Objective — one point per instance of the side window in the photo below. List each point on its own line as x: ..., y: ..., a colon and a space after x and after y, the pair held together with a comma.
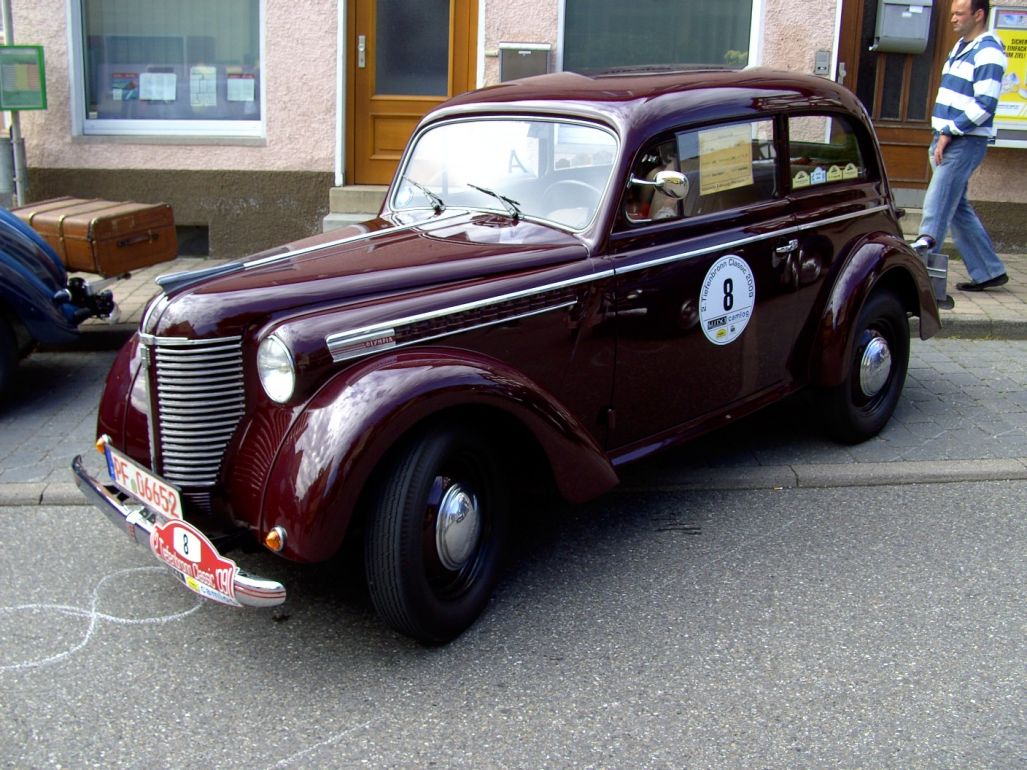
x: 645, y: 202
x: 823, y: 149
x: 724, y: 167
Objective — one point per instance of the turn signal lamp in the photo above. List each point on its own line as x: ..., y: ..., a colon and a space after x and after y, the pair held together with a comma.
x: 275, y: 539
x: 101, y: 443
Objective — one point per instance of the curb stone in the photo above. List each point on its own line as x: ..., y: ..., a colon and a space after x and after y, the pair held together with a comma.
x: 768, y: 477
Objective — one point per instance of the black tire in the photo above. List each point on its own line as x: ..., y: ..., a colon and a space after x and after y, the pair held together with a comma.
x: 431, y: 574
x: 860, y: 407
x: 8, y: 356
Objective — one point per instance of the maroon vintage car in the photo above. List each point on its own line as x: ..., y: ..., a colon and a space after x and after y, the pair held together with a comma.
x: 568, y: 273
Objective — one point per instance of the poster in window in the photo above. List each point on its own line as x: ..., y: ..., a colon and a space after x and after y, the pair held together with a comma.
x: 158, y: 86
x: 1011, y: 29
x: 203, y: 86
x: 124, y: 86
x: 241, y: 86
x: 725, y: 158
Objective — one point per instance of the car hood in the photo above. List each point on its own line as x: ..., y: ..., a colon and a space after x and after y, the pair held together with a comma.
x: 357, y: 264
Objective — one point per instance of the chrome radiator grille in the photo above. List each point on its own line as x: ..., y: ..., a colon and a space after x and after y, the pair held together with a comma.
x: 199, y: 402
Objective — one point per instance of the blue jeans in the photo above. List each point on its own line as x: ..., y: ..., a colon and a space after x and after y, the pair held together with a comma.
x: 945, y: 205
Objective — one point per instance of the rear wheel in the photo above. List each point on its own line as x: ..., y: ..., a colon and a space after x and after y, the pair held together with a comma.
x: 436, y: 535
x: 859, y: 407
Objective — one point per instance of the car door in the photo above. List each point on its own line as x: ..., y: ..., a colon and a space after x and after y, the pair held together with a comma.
x: 702, y: 307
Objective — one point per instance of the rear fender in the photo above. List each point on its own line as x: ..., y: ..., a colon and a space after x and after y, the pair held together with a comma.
x: 28, y: 301
x: 881, y: 263
x: 31, y: 282
x: 338, y: 440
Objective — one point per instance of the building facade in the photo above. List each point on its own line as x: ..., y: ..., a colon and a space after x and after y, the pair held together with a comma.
x: 254, y: 117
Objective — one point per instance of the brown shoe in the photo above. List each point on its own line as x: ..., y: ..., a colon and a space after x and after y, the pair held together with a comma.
x: 991, y: 283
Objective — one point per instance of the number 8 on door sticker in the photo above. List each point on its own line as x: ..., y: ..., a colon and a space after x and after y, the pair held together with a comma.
x: 727, y: 299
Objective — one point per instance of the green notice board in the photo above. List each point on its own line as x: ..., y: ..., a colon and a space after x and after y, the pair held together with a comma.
x: 22, y: 79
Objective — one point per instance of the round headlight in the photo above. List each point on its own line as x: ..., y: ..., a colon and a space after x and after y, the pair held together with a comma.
x: 276, y: 369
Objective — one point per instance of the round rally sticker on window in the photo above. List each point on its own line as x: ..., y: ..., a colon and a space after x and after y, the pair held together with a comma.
x: 727, y: 299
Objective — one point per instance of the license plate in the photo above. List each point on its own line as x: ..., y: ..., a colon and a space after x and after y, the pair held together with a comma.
x: 154, y: 492
x: 195, y: 560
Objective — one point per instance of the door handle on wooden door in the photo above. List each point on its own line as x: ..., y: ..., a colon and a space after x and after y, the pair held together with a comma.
x: 361, y: 51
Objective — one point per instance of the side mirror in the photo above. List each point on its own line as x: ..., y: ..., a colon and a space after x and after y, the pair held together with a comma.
x: 673, y: 184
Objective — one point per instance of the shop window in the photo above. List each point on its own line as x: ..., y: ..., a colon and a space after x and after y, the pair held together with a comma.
x: 822, y: 150
x: 154, y: 67
x: 610, y: 34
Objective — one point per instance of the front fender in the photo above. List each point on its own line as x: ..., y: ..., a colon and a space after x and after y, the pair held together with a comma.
x: 343, y: 433
x: 881, y: 262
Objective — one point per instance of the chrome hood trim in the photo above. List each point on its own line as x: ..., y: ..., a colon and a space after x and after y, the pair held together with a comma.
x: 170, y: 282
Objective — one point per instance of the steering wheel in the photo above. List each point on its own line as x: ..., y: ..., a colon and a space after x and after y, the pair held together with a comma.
x: 570, y: 193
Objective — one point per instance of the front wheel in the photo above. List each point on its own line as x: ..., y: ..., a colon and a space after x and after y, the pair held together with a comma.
x: 436, y: 534
x: 861, y: 405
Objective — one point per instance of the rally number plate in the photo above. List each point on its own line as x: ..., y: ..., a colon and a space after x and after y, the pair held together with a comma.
x: 137, y: 481
x: 195, y: 560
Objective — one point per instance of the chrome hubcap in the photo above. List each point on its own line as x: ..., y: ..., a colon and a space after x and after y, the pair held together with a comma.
x: 457, y: 527
x: 874, y: 367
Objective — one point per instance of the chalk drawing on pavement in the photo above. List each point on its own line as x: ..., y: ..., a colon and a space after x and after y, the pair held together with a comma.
x: 91, y: 614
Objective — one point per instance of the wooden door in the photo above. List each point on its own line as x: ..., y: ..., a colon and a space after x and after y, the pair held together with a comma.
x: 405, y: 57
x: 898, y: 90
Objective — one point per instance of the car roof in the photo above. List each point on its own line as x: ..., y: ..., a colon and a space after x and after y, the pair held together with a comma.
x: 652, y: 101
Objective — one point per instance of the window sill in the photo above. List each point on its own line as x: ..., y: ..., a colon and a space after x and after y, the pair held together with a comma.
x: 179, y: 140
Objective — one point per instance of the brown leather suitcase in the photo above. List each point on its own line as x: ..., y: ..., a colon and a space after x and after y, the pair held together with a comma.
x: 105, y: 237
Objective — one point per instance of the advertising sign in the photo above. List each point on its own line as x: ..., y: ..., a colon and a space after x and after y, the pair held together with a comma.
x: 22, y: 79
x: 1010, y: 26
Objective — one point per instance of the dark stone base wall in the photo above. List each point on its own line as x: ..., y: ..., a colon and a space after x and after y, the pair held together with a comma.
x: 1006, y: 223
x: 244, y: 211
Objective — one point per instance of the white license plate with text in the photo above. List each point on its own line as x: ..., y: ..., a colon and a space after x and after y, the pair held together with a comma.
x: 137, y: 481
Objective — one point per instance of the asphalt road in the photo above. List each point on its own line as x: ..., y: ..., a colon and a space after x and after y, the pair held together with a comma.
x: 850, y: 627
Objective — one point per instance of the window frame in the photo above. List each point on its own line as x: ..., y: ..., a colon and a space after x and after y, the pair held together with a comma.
x: 83, y: 125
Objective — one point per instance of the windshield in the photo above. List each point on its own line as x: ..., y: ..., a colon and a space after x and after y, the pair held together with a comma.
x: 537, y: 169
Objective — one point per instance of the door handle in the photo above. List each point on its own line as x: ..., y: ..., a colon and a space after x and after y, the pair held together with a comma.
x: 361, y: 51
x: 841, y: 73
x: 788, y: 248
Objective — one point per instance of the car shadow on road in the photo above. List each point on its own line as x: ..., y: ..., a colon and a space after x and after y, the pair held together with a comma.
x: 556, y: 550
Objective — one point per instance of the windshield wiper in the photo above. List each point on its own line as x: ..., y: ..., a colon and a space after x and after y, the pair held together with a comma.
x: 510, y: 204
x: 436, y: 201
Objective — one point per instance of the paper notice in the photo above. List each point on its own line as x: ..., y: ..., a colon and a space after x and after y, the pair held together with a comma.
x: 203, y: 86
x: 241, y: 87
x: 158, y: 86
x: 725, y: 158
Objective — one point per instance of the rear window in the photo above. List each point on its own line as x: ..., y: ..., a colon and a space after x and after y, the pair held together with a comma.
x: 823, y: 150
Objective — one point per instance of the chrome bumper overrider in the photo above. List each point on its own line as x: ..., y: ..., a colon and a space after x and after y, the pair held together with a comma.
x: 139, y: 521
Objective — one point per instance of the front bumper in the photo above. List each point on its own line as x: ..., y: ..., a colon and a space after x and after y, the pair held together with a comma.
x: 139, y: 521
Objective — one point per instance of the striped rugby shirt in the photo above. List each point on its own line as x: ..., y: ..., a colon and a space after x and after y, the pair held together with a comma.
x: 971, y: 82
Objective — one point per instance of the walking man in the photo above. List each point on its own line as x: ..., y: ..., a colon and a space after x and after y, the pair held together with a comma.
x: 963, y: 117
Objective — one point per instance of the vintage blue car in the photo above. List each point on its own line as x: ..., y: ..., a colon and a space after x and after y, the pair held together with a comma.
x: 39, y: 303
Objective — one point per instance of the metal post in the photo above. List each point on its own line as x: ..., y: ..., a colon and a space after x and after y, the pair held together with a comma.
x: 21, y: 177
x: 21, y: 174
x: 6, y: 172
